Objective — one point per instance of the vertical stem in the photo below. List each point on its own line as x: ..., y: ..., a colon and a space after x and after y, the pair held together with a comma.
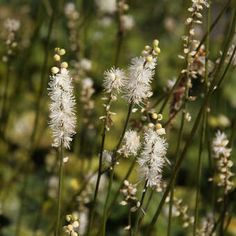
x: 60, y: 188
x: 99, y: 171
x: 199, y: 170
x: 139, y: 217
x: 104, y: 219
x: 203, y: 130
x: 173, y: 185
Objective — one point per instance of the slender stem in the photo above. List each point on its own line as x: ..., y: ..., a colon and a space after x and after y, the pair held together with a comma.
x: 104, y: 220
x: 99, y: 169
x: 139, y: 211
x: 172, y: 187
x: 203, y: 131
x: 60, y: 188
x: 199, y: 170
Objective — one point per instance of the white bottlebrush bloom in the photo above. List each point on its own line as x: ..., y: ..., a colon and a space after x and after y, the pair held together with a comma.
x: 152, y: 158
x: 113, y: 80
x: 138, y: 84
x: 106, y: 6
x: 131, y: 143
x: 62, y: 116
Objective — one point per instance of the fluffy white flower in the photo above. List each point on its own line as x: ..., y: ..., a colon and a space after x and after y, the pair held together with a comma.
x: 113, y: 80
x: 131, y: 143
x: 62, y: 116
x: 106, y: 6
x: 152, y: 158
x: 138, y: 84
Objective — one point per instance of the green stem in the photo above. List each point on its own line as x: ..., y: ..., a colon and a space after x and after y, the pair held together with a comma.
x: 172, y: 187
x: 60, y: 187
x: 199, y: 171
x: 104, y: 219
x: 99, y: 170
x: 139, y: 211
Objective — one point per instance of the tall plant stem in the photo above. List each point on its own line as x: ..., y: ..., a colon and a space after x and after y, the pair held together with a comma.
x: 104, y: 218
x: 203, y: 130
x: 199, y: 171
x: 139, y: 211
x: 99, y: 170
x: 60, y: 191
x: 173, y: 185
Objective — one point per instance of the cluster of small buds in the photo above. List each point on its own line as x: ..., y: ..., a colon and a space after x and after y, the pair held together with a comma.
x: 150, y: 53
x: 195, y: 60
x: 181, y: 210
x: 155, y: 119
x: 59, y: 52
x: 222, y: 155
x: 160, y: 187
x: 72, y: 228
x: 72, y: 16
x: 126, y: 22
x: 207, y: 225
x: 11, y: 26
x: 129, y: 191
x: 190, y: 43
x: 86, y: 100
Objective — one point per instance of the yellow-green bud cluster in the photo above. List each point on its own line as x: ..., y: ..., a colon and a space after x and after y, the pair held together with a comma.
x: 59, y: 52
x: 151, y: 52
